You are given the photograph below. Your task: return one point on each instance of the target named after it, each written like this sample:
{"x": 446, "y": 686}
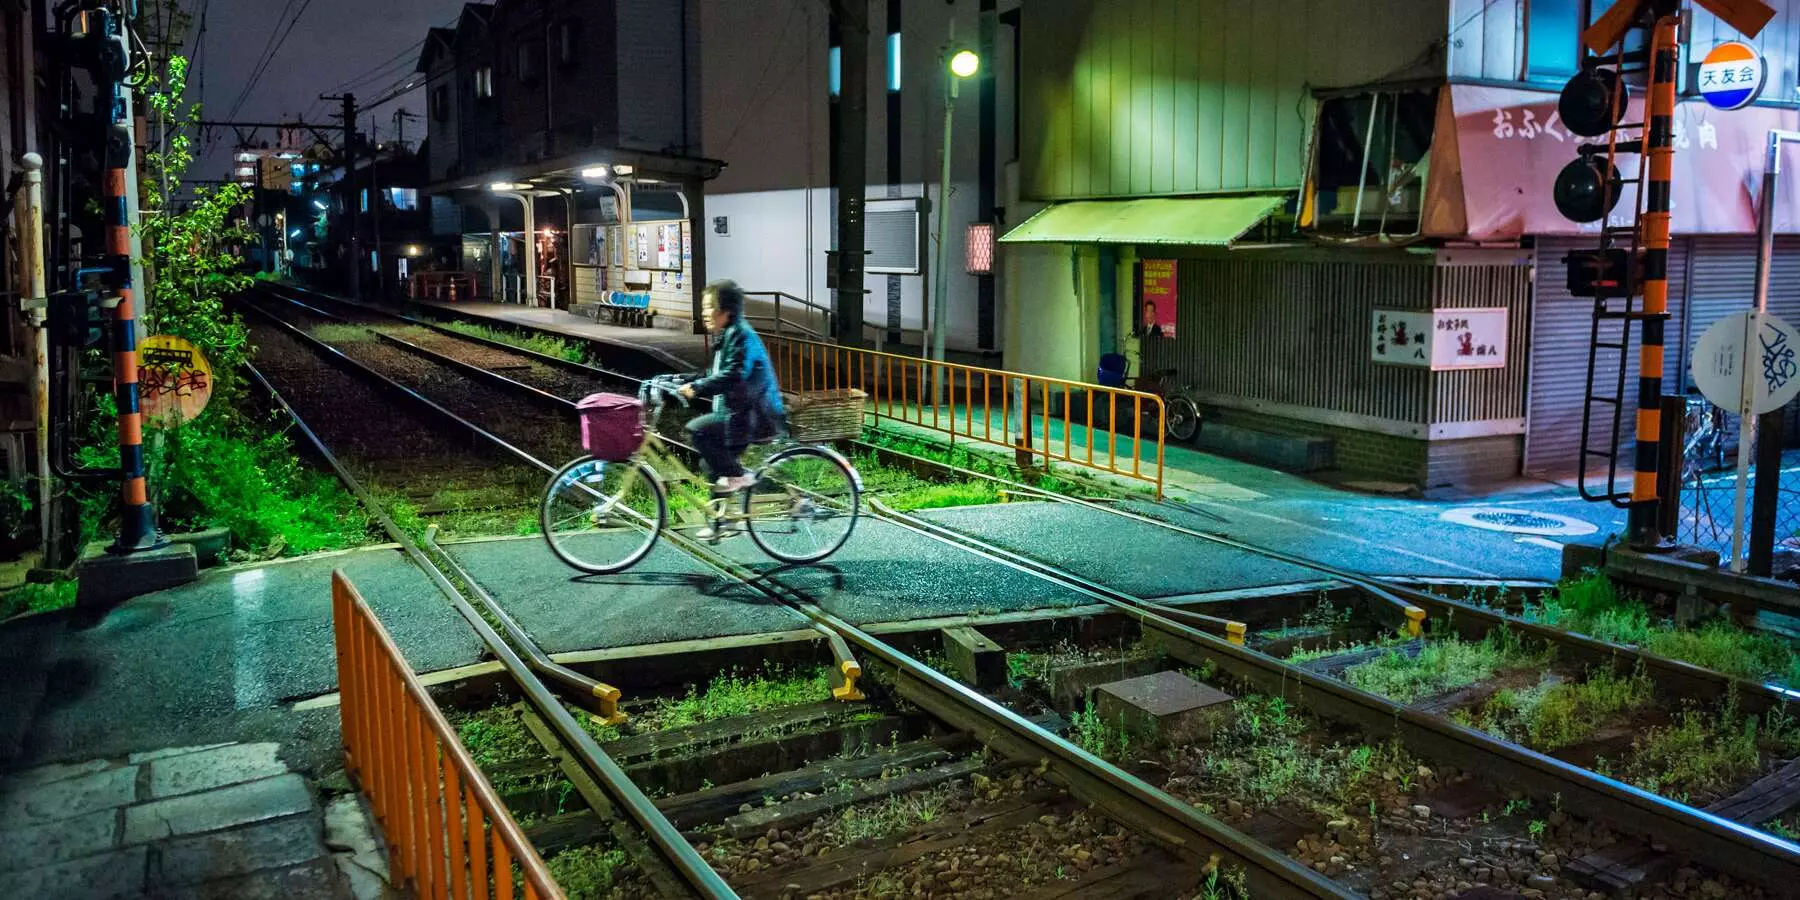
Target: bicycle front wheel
{"x": 804, "y": 505}
{"x": 1182, "y": 418}
{"x": 603, "y": 517}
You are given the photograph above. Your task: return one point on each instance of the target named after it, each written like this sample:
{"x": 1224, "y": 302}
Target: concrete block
{"x": 977, "y": 660}
{"x": 240, "y": 804}
{"x": 119, "y": 873}
{"x": 60, "y": 841}
{"x": 213, "y": 768}
{"x": 1165, "y": 707}
{"x": 240, "y": 851}
{"x": 166, "y": 752}
{"x": 1070, "y": 685}
{"x": 56, "y": 772}
{"x": 27, "y": 805}
{"x": 1583, "y": 553}
{"x": 1294, "y": 453}
{"x": 108, "y": 578}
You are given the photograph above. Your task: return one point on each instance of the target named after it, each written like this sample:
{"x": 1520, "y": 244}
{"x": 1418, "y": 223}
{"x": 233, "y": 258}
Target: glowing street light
{"x": 594, "y": 173}
{"x": 965, "y": 64}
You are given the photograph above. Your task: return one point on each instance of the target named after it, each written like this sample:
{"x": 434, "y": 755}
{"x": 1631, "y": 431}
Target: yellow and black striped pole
{"x": 1660, "y": 166}
{"x": 137, "y": 521}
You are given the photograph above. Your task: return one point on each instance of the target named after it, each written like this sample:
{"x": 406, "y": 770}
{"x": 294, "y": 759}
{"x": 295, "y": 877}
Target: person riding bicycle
{"x": 747, "y": 405}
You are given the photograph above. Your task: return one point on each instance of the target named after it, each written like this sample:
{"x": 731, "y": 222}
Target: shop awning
{"x": 1213, "y": 221}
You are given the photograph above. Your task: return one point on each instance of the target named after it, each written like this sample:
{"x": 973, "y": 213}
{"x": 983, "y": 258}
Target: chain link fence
{"x": 1709, "y": 482}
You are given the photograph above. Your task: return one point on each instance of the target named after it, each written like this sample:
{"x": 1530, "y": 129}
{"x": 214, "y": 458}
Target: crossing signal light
{"x": 1588, "y": 188}
{"x": 1601, "y": 273}
{"x": 1593, "y": 102}
{"x": 76, "y": 319}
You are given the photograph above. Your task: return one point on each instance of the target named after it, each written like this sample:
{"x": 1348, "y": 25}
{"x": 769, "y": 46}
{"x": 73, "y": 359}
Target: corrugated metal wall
{"x": 1560, "y": 334}
{"x": 1134, "y": 97}
{"x": 1295, "y": 332}
{"x": 1480, "y": 395}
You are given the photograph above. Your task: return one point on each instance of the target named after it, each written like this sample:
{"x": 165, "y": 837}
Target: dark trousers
{"x": 710, "y": 437}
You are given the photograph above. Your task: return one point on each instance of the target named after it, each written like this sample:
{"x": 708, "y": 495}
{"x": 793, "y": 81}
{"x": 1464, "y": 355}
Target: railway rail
{"x": 1710, "y": 839}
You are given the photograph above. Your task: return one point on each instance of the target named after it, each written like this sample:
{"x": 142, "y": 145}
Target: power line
{"x": 268, "y": 43}
{"x": 270, "y": 58}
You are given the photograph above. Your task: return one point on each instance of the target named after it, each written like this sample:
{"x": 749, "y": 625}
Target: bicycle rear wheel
{"x": 1182, "y": 418}
{"x": 602, "y": 517}
{"x": 804, "y": 505}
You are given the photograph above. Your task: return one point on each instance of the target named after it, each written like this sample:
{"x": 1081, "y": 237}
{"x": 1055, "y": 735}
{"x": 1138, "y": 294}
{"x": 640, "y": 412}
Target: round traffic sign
{"x": 174, "y": 379}
{"x": 1732, "y": 75}
{"x": 1774, "y": 368}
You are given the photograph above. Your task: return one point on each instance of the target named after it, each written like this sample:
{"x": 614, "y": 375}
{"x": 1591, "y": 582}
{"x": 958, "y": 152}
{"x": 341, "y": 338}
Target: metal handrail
{"x": 446, "y": 827}
{"x": 914, "y": 391}
{"x": 781, "y": 323}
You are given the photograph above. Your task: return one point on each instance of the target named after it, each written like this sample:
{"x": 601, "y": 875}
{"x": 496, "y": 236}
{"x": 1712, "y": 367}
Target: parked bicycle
{"x": 603, "y": 513}
{"x": 1181, "y": 415}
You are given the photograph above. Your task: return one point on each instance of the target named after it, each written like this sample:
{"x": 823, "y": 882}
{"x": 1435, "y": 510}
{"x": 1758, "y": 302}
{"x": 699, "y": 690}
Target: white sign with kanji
{"x": 1400, "y": 337}
{"x": 1468, "y": 338}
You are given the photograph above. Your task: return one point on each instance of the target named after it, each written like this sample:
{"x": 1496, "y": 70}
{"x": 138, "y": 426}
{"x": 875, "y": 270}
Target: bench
{"x": 626, "y": 308}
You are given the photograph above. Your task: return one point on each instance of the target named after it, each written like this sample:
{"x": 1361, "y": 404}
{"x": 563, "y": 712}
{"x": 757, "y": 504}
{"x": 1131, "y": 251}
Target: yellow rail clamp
{"x": 1234, "y": 632}
{"x": 1415, "y": 621}
{"x": 847, "y": 691}
{"x": 608, "y": 696}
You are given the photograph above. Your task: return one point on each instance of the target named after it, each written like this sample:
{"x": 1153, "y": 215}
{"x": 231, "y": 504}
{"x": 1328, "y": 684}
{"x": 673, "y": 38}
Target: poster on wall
{"x": 1156, "y": 315}
{"x": 1401, "y": 337}
{"x": 1468, "y": 339}
{"x": 656, "y": 246}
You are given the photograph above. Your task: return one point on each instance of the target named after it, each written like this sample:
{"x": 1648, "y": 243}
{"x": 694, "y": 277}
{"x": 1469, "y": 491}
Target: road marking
{"x": 1541, "y": 542}
{"x": 1356, "y": 540}
{"x": 250, "y": 650}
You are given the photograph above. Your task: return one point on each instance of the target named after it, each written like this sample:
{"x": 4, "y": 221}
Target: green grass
{"x": 589, "y": 873}
{"x": 495, "y": 736}
{"x": 1446, "y": 665}
{"x": 1592, "y": 605}
{"x": 1268, "y": 753}
{"x": 736, "y": 695}
{"x": 342, "y": 333}
{"x": 549, "y": 345}
{"x": 1094, "y": 734}
{"x": 34, "y": 597}
{"x": 1703, "y": 752}
{"x": 941, "y": 496}
{"x": 962, "y": 457}
{"x": 894, "y": 814}
{"x": 1549, "y": 715}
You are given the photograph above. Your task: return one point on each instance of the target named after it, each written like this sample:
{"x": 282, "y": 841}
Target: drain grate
{"x": 1518, "y": 520}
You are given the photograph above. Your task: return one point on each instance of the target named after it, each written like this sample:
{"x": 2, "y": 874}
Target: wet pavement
{"x": 214, "y": 660}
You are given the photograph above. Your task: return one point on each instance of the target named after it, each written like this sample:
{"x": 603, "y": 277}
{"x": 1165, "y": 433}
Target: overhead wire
{"x": 256, "y": 77}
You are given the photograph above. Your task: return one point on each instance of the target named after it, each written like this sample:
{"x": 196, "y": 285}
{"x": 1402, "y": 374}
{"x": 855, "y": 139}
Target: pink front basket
{"x": 612, "y": 425}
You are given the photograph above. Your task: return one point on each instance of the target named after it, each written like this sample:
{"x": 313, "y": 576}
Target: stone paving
{"x": 212, "y": 821}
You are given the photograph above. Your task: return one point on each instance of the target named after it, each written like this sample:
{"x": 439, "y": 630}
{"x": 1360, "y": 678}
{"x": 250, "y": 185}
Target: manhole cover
{"x": 1518, "y": 521}
{"x": 1512, "y": 520}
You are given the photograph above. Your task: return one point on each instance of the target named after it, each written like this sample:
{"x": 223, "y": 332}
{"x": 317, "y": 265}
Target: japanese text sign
{"x": 1468, "y": 338}
{"x": 1400, "y": 337}
{"x": 174, "y": 379}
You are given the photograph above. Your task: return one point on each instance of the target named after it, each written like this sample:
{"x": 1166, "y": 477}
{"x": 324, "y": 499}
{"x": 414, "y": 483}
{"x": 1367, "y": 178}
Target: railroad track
{"x": 1725, "y": 845}
{"x": 1063, "y": 775}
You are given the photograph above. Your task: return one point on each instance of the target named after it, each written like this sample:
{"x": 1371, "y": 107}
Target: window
{"x": 893, "y": 62}
{"x": 365, "y": 199}
{"x": 440, "y": 103}
{"x": 834, "y": 70}
{"x": 484, "y": 82}
{"x": 404, "y": 199}
{"x": 1553, "y": 35}
{"x": 527, "y": 59}
{"x": 567, "y": 36}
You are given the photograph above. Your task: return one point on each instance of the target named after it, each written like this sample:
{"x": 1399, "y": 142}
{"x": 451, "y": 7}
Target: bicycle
{"x": 603, "y": 516}
{"x": 1181, "y": 415}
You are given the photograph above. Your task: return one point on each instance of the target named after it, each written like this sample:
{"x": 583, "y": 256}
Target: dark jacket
{"x": 742, "y": 383}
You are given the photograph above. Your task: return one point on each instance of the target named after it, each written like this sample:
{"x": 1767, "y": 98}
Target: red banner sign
{"x": 1156, "y": 316}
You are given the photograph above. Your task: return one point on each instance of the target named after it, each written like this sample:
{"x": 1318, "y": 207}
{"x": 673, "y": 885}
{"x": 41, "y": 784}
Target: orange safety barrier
{"x": 1121, "y": 426}
{"x": 448, "y": 834}
{"x": 441, "y": 285}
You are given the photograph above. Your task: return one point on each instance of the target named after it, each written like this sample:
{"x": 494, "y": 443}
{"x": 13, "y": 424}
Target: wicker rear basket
{"x": 815, "y": 417}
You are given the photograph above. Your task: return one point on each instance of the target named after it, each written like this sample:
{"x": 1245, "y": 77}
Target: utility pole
{"x": 351, "y": 203}
{"x": 850, "y": 153}
{"x": 29, "y": 214}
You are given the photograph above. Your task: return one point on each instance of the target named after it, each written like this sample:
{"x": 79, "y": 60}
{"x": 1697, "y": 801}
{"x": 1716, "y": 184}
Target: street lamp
{"x": 964, "y": 64}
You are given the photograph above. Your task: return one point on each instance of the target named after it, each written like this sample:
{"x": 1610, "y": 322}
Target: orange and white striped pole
{"x": 1660, "y": 167}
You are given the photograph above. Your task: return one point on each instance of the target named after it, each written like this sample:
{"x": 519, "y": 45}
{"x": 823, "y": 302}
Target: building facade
{"x": 1302, "y": 177}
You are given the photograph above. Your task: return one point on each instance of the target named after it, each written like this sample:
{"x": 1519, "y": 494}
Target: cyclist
{"x": 747, "y": 404}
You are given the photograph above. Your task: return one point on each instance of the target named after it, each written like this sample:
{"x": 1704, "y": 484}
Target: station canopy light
{"x": 593, "y": 173}
{"x": 507, "y": 186}
{"x": 624, "y": 169}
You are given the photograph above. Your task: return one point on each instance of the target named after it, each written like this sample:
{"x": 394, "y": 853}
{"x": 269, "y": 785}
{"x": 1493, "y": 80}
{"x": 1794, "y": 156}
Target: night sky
{"x": 373, "y": 43}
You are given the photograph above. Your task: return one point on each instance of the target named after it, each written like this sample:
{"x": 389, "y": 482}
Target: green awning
{"x": 1214, "y": 221}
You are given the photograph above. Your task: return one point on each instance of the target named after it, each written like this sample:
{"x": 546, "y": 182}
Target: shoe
{"x": 708, "y": 533}
{"x": 735, "y": 483}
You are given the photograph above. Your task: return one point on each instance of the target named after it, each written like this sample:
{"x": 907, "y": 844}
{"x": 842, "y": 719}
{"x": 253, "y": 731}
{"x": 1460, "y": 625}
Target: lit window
{"x": 484, "y": 82}
{"x": 835, "y": 70}
{"x": 893, "y": 71}
{"x": 296, "y": 170}
{"x": 980, "y": 249}
{"x": 365, "y": 199}
{"x": 245, "y": 172}
{"x": 404, "y": 198}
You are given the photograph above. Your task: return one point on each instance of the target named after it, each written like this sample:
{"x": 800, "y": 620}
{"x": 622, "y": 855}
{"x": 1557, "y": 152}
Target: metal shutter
{"x": 1561, "y": 327}
{"x": 891, "y": 231}
{"x": 1725, "y": 282}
